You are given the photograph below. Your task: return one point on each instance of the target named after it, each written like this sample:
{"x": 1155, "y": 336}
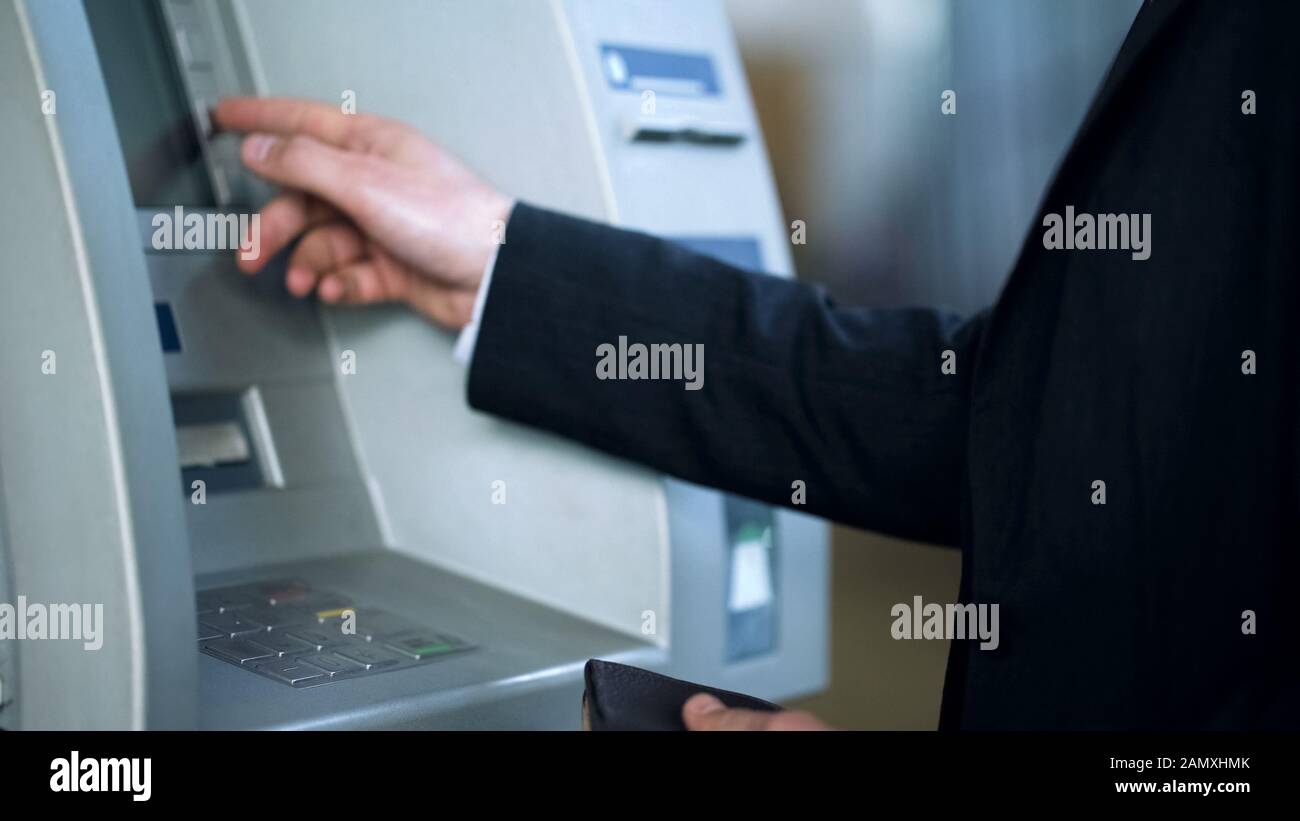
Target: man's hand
{"x": 384, "y": 214}
{"x": 704, "y": 712}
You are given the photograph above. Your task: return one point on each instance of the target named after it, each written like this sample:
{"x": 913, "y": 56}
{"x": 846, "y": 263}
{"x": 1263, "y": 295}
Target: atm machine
{"x": 235, "y": 474}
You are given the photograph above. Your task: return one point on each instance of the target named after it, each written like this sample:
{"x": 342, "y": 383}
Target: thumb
{"x": 705, "y": 712}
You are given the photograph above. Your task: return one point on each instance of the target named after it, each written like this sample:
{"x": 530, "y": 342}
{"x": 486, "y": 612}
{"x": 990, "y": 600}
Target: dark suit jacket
{"x": 1092, "y": 366}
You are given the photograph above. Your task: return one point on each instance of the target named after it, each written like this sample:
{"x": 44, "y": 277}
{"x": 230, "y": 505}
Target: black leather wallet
{"x": 619, "y": 697}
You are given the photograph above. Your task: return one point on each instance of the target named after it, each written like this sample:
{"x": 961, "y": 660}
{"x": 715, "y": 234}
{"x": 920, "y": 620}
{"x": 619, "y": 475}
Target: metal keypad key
{"x": 302, "y": 637}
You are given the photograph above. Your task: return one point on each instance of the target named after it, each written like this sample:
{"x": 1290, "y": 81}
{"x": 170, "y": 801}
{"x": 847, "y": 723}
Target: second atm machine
{"x": 484, "y": 562}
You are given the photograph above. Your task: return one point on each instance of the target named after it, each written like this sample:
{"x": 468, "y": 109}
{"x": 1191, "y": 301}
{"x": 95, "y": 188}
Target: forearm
{"x": 853, "y": 404}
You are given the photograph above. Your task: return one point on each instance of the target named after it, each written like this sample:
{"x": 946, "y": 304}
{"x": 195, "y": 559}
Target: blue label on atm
{"x": 167, "y": 333}
{"x": 672, "y": 73}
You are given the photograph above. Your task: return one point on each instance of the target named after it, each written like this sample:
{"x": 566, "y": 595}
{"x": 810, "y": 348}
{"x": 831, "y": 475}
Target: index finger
{"x": 286, "y": 116}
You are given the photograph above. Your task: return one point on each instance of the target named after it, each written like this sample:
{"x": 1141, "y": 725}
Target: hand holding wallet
{"x": 619, "y": 697}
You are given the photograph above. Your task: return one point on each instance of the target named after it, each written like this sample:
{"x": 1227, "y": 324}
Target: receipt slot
{"x": 288, "y": 512}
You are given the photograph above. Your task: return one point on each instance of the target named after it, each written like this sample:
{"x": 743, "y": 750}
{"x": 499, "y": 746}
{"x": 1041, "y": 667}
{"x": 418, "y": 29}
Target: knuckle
{"x": 278, "y": 220}
{"x": 295, "y": 154}
{"x": 313, "y": 249}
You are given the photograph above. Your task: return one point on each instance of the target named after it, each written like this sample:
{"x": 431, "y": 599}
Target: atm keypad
{"x": 230, "y": 624}
{"x": 273, "y": 618}
{"x": 371, "y": 658}
{"x": 215, "y": 601}
{"x": 319, "y": 639}
{"x": 238, "y": 651}
{"x": 368, "y": 623}
{"x": 301, "y": 637}
{"x": 333, "y": 663}
{"x": 293, "y": 672}
{"x": 283, "y": 644}
{"x": 281, "y": 593}
{"x": 420, "y": 645}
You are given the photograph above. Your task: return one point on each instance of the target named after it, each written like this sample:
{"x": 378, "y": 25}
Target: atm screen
{"x": 159, "y": 141}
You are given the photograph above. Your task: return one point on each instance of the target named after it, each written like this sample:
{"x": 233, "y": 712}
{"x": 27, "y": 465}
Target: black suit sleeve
{"x": 850, "y": 402}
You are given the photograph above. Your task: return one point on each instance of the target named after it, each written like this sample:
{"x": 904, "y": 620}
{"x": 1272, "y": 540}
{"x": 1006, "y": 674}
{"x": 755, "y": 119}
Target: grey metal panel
{"x": 253, "y": 528}
{"x": 86, "y": 456}
{"x": 235, "y": 330}
{"x": 237, "y": 333}
{"x": 441, "y": 489}
{"x": 798, "y": 665}
{"x": 242, "y": 333}
{"x": 493, "y": 82}
{"x": 490, "y": 80}
{"x": 676, "y": 188}
{"x": 212, "y": 64}
{"x": 318, "y": 453}
{"x": 526, "y": 671}
{"x": 684, "y": 189}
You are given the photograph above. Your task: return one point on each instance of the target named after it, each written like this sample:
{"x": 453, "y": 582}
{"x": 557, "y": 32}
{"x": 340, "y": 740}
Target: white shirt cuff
{"x": 464, "y": 350}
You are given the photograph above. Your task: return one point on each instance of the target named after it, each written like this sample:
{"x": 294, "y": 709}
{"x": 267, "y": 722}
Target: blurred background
{"x": 907, "y": 206}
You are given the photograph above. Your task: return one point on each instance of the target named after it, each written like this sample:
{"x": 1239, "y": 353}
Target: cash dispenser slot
{"x": 695, "y": 132}
{"x": 223, "y": 440}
